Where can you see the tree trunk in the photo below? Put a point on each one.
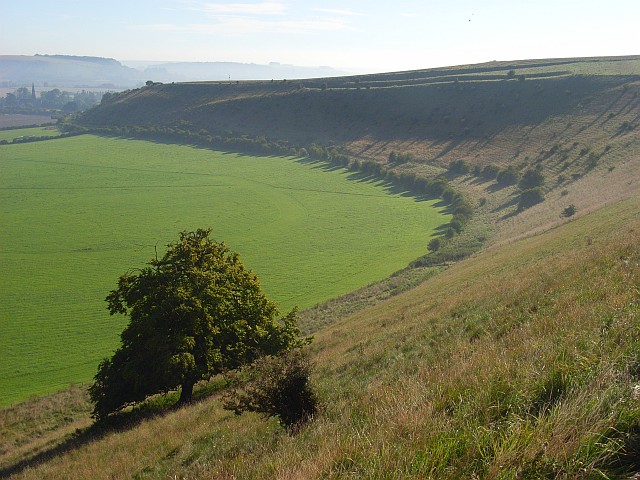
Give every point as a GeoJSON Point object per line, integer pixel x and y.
{"type": "Point", "coordinates": [186, 393]}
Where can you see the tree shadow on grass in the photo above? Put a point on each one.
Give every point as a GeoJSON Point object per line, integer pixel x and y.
{"type": "Point", "coordinates": [122, 421]}
{"type": "Point", "coordinates": [319, 164]}
{"type": "Point", "coordinates": [512, 202]}
{"type": "Point", "coordinates": [390, 187]}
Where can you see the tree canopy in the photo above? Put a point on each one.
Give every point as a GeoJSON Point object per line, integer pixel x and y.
{"type": "Point", "coordinates": [194, 313]}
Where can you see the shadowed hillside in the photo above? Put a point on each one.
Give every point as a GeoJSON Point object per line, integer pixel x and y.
{"type": "Point", "coordinates": [575, 119]}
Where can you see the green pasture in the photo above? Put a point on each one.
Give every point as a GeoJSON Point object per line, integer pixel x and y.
{"type": "Point", "coordinates": [12, 134]}
{"type": "Point", "coordinates": [79, 212]}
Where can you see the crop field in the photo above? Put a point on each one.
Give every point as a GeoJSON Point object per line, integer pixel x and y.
{"type": "Point", "coordinates": [79, 212]}
{"type": "Point", "coordinates": [18, 119]}
{"type": "Point", "coordinates": [10, 135]}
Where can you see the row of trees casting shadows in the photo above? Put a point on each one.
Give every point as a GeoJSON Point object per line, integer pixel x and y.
{"type": "Point", "coordinates": [432, 188]}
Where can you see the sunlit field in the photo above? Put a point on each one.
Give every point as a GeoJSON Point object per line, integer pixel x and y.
{"type": "Point", "coordinates": [79, 212]}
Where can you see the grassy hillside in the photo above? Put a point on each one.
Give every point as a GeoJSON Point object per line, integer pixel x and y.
{"type": "Point", "coordinates": [79, 212]}
{"type": "Point", "coordinates": [576, 119]}
{"type": "Point", "coordinates": [520, 362]}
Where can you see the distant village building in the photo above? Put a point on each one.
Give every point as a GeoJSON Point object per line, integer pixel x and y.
{"type": "Point", "coordinates": [33, 91]}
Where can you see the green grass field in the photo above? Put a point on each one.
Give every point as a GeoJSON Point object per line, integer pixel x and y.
{"type": "Point", "coordinates": [12, 134]}
{"type": "Point", "coordinates": [79, 212]}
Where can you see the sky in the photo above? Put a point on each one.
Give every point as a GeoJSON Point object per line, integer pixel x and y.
{"type": "Point", "coordinates": [352, 35]}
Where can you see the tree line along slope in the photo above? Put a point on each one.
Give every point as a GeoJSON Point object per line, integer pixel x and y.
{"type": "Point", "coordinates": [576, 120]}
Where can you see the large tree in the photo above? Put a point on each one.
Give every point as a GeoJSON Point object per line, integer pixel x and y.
{"type": "Point", "coordinates": [194, 313]}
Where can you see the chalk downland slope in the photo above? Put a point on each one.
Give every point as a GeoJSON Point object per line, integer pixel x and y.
{"type": "Point", "coordinates": [576, 119]}
{"type": "Point", "coordinates": [519, 362]}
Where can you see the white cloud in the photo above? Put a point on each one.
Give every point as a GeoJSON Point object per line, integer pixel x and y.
{"type": "Point", "coordinates": [263, 8]}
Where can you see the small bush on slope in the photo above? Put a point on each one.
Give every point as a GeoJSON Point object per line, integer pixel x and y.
{"type": "Point", "coordinates": [277, 386]}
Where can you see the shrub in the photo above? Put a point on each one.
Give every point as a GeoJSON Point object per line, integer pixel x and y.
{"type": "Point", "coordinates": [434, 245]}
{"type": "Point", "coordinates": [459, 167]}
{"type": "Point", "coordinates": [507, 176]}
{"type": "Point", "coordinates": [400, 158]}
{"type": "Point", "coordinates": [570, 211]}
{"type": "Point", "coordinates": [532, 178]}
{"type": "Point", "coordinates": [275, 386]}
{"type": "Point", "coordinates": [456, 224]}
{"type": "Point", "coordinates": [490, 172]}
{"type": "Point", "coordinates": [529, 198]}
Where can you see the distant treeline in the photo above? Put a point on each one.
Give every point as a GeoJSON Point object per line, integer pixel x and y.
{"type": "Point", "coordinates": [23, 100]}
{"type": "Point", "coordinates": [437, 187]}
{"type": "Point", "coordinates": [32, 125]}
{"type": "Point", "coordinates": [29, 138]}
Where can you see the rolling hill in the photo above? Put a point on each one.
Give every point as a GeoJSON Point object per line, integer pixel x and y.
{"type": "Point", "coordinates": [99, 72]}
{"type": "Point", "coordinates": [520, 361]}
{"type": "Point", "coordinates": [576, 119]}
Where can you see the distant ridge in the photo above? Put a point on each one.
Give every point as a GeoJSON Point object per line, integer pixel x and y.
{"type": "Point", "coordinates": [98, 72]}
{"type": "Point", "coordinates": [98, 60]}
{"type": "Point", "coordinates": [66, 71]}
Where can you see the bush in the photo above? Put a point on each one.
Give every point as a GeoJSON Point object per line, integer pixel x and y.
{"type": "Point", "coordinates": [570, 211]}
{"type": "Point", "coordinates": [456, 224]}
{"type": "Point", "coordinates": [490, 172]}
{"type": "Point", "coordinates": [275, 386]}
{"type": "Point", "coordinates": [507, 176]}
{"type": "Point", "coordinates": [459, 167]}
{"type": "Point", "coordinates": [434, 245]}
{"type": "Point", "coordinates": [532, 178]}
{"type": "Point", "coordinates": [528, 198]}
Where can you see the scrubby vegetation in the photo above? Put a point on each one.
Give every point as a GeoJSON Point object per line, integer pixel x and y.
{"type": "Point", "coordinates": [275, 386]}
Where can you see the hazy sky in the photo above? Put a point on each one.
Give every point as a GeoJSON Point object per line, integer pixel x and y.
{"type": "Point", "coordinates": [355, 35]}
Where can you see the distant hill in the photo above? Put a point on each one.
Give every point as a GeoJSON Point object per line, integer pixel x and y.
{"type": "Point", "coordinates": [65, 71]}
{"type": "Point", "coordinates": [576, 119]}
{"type": "Point", "coordinates": [95, 72]}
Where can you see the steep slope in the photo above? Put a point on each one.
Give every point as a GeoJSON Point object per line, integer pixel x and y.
{"type": "Point", "coordinates": [521, 362]}
{"type": "Point", "coordinates": [576, 119]}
